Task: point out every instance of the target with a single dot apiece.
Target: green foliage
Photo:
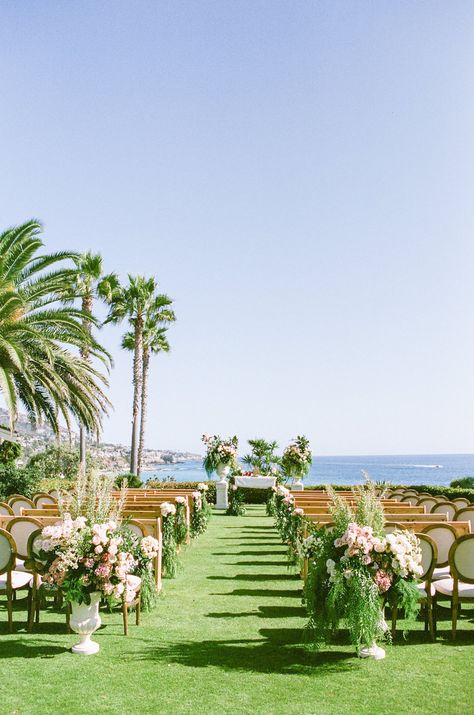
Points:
(169, 555)
(463, 483)
(132, 480)
(9, 452)
(262, 455)
(180, 524)
(236, 501)
(56, 463)
(17, 480)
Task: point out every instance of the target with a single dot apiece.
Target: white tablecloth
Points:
(255, 482)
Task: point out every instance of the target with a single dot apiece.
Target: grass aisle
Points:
(227, 638)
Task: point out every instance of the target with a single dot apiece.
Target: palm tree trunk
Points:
(137, 382)
(86, 308)
(145, 368)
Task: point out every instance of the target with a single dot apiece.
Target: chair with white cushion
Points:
(18, 503)
(461, 502)
(428, 503)
(43, 499)
(410, 493)
(466, 514)
(5, 509)
(411, 499)
(11, 581)
(460, 588)
(445, 507)
(20, 528)
(444, 536)
(391, 527)
(429, 554)
(39, 590)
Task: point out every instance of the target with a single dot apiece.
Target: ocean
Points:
(435, 469)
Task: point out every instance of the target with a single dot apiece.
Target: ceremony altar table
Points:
(255, 482)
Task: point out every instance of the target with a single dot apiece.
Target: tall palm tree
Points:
(89, 284)
(154, 341)
(38, 329)
(137, 301)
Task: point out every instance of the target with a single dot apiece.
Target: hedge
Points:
(260, 496)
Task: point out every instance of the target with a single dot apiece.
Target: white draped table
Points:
(255, 482)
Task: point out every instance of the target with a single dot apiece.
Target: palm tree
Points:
(137, 301)
(154, 341)
(89, 284)
(38, 329)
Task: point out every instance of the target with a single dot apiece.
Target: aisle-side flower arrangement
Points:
(199, 517)
(168, 532)
(297, 458)
(181, 529)
(236, 501)
(144, 551)
(220, 452)
(355, 568)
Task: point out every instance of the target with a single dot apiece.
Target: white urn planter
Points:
(85, 620)
(223, 471)
(374, 651)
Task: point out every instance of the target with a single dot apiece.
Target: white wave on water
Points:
(420, 466)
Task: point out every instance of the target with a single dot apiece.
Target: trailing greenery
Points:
(169, 554)
(181, 530)
(236, 501)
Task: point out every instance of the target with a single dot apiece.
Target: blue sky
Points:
(299, 177)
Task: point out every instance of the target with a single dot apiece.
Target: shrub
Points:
(56, 462)
(9, 452)
(156, 484)
(16, 480)
(133, 481)
(463, 483)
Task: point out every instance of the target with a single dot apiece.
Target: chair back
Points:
(428, 503)
(461, 558)
(466, 514)
(461, 502)
(20, 529)
(411, 492)
(444, 536)
(5, 509)
(429, 556)
(54, 493)
(7, 551)
(136, 527)
(34, 561)
(411, 499)
(18, 503)
(42, 499)
(445, 507)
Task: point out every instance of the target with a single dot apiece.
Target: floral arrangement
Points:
(297, 458)
(181, 527)
(82, 557)
(236, 501)
(168, 530)
(219, 452)
(202, 487)
(355, 568)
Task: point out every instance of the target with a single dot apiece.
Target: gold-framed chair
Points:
(445, 507)
(11, 580)
(5, 509)
(460, 587)
(429, 554)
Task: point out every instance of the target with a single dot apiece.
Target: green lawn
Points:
(227, 638)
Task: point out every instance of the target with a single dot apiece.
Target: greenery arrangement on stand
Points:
(262, 457)
(219, 453)
(356, 568)
(236, 501)
(201, 511)
(181, 529)
(297, 458)
(168, 535)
